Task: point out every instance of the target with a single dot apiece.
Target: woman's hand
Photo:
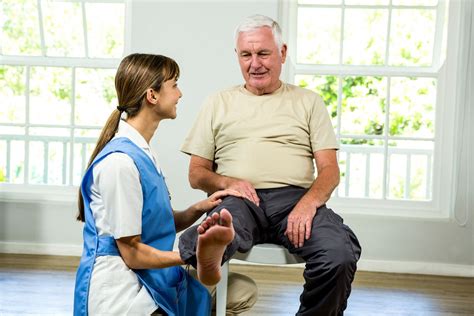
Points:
(215, 199)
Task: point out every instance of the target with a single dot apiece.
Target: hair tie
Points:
(121, 108)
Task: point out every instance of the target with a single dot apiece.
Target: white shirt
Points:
(116, 204)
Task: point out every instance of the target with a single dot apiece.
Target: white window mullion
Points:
(41, 28)
(438, 40)
(407, 177)
(109, 63)
(348, 172)
(386, 164)
(83, 156)
(84, 26)
(341, 43)
(429, 180)
(46, 161)
(73, 125)
(367, 175)
(27, 126)
(64, 169)
(389, 29)
(8, 156)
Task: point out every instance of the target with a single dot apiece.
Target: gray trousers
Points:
(331, 253)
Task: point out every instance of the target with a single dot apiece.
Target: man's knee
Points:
(339, 261)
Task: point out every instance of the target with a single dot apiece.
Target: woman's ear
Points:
(152, 96)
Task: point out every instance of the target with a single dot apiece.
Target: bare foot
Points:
(215, 233)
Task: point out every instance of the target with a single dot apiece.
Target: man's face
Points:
(260, 60)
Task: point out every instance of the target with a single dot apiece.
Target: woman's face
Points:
(168, 98)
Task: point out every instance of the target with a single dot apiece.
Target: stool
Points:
(263, 253)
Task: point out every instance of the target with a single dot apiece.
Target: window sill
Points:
(20, 193)
(49, 194)
(389, 208)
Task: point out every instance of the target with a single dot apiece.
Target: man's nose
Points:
(255, 61)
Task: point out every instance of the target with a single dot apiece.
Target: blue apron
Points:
(172, 289)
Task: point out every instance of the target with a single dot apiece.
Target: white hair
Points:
(257, 21)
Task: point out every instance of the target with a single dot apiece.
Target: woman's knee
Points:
(242, 293)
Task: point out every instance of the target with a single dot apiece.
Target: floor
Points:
(42, 285)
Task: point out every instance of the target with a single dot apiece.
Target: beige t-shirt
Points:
(268, 140)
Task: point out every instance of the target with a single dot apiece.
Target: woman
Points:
(128, 266)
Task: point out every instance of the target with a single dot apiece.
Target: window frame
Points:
(442, 169)
(52, 193)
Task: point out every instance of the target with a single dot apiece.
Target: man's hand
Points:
(300, 222)
(245, 188)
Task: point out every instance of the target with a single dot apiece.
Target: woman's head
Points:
(139, 72)
(136, 74)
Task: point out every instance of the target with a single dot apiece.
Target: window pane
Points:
(415, 2)
(105, 29)
(50, 95)
(326, 87)
(64, 33)
(319, 35)
(17, 162)
(376, 167)
(412, 106)
(419, 177)
(343, 168)
(361, 96)
(412, 37)
(397, 176)
(57, 162)
(95, 96)
(361, 168)
(3, 161)
(366, 2)
(36, 159)
(82, 154)
(20, 28)
(410, 169)
(365, 33)
(94, 133)
(12, 94)
(11, 130)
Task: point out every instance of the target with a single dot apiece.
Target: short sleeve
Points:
(320, 126)
(117, 181)
(200, 140)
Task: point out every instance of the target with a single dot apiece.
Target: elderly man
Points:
(260, 139)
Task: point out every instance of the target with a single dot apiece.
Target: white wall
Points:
(199, 36)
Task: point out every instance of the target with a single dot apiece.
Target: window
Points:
(57, 67)
(377, 65)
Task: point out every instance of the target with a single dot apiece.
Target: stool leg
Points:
(221, 291)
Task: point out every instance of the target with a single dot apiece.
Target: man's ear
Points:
(152, 96)
(283, 53)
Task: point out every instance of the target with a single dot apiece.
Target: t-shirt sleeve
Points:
(200, 140)
(118, 182)
(321, 129)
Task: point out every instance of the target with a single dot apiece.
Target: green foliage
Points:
(13, 79)
(3, 177)
(108, 91)
(20, 26)
(411, 109)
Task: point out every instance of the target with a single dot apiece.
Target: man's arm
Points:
(301, 217)
(202, 176)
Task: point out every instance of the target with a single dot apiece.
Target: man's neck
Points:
(264, 91)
